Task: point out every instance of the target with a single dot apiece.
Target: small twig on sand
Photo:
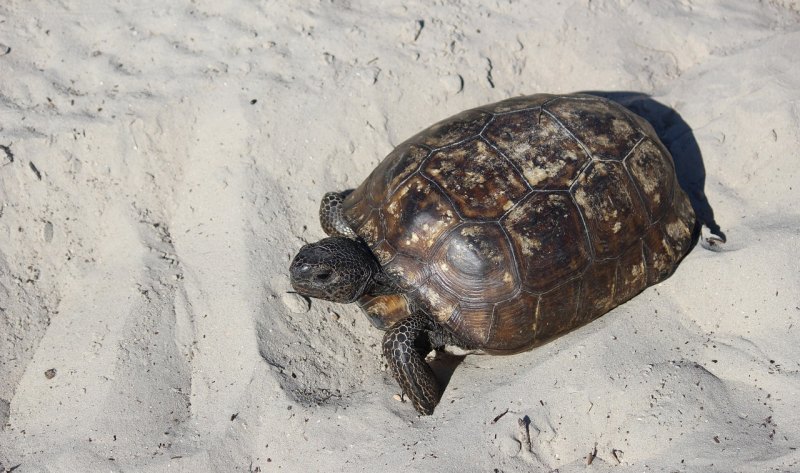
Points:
(590, 457)
(616, 454)
(499, 416)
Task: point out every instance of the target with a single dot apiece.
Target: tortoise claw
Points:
(712, 241)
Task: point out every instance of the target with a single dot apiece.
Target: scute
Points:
(383, 251)
(631, 273)
(513, 324)
(604, 128)
(371, 227)
(384, 311)
(437, 301)
(457, 128)
(473, 323)
(475, 263)
(410, 272)
(404, 161)
(549, 239)
(556, 311)
(648, 166)
(597, 291)
(548, 156)
(479, 181)
(416, 216)
(517, 103)
(611, 208)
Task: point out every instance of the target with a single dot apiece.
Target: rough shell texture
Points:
(515, 222)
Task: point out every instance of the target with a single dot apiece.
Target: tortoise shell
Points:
(515, 222)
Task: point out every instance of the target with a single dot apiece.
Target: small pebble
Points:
(296, 303)
(397, 397)
(48, 232)
(50, 374)
(4, 49)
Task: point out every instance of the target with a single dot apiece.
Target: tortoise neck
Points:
(382, 284)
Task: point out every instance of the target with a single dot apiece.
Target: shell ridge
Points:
(586, 232)
(455, 143)
(445, 195)
(513, 165)
(635, 183)
(480, 133)
(514, 206)
(572, 135)
(515, 271)
(390, 191)
(508, 112)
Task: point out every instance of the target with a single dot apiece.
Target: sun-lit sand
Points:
(161, 163)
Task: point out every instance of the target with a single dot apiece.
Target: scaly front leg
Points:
(405, 346)
(331, 218)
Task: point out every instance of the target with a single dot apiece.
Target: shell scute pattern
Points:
(611, 207)
(555, 307)
(647, 165)
(404, 161)
(416, 216)
(485, 188)
(385, 310)
(516, 104)
(603, 128)
(515, 317)
(543, 150)
(549, 239)
(518, 221)
(473, 323)
(409, 272)
(458, 128)
(475, 264)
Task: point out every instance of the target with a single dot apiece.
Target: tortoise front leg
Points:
(405, 346)
(331, 218)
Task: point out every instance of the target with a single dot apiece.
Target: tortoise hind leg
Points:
(405, 346)
(331, 218)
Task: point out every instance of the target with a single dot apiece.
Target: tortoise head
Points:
(337, 269)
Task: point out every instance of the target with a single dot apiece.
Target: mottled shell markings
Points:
(483, 189)
(518, 221)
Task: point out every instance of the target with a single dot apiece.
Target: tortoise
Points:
(499, 229)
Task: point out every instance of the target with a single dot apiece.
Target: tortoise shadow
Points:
(679, 139)
(444, 364)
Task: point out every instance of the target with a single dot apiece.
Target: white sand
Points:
(145, 258)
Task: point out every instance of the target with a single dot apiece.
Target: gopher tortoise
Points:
(499, 229)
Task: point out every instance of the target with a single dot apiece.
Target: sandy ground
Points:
(160, 165)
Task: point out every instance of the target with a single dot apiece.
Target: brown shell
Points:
(518, 221)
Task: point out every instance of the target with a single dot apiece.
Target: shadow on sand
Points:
(677, 136)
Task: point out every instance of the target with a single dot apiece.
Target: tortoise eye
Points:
(323, 276)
